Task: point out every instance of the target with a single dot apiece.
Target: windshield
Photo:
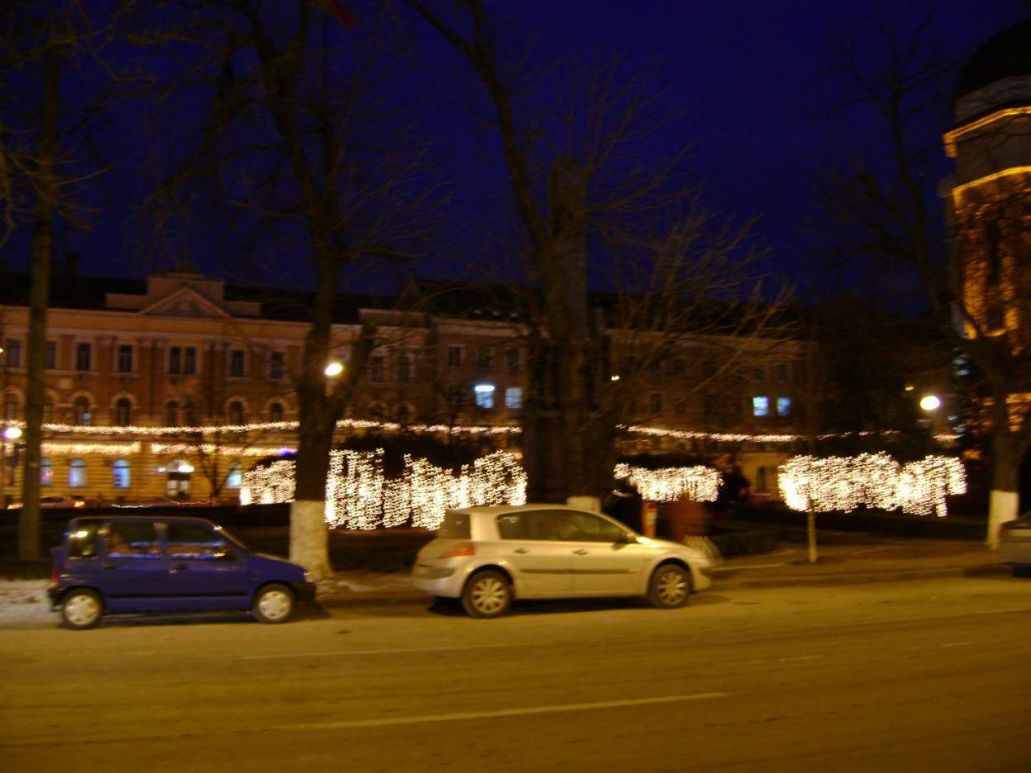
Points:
(232, 538)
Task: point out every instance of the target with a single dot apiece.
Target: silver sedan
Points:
(488, 556)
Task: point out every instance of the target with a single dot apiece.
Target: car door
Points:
(207, 571)
(539, 562)
(132, 570)
(603, 562)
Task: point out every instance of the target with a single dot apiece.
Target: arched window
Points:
(121, 473)
(189, 413)
(376, 411)
(171, 414)
(46, 472)
(10, 407)
(123, 412)
(235, 412)
(76, 473)
(403, 413)
(275, 412)
(81, 411)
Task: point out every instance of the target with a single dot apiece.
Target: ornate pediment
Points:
(185, 302)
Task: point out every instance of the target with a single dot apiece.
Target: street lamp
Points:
(334, 369)
(930, 403)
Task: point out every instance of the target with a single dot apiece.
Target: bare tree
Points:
(884, 212)
(308, 149)
(576, 183)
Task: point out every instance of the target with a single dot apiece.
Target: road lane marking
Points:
(465, 715)
(390, 651)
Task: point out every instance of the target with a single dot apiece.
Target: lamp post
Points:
(12, 433)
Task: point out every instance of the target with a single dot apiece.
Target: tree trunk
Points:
(29, 520)
(1004, 503)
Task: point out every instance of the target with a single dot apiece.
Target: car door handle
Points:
(581, 552)
(522, 550)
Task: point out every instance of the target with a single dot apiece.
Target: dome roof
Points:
(1006, 55)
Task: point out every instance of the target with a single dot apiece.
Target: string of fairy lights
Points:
(876, 481)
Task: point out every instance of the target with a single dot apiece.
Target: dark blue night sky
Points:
(750, 83)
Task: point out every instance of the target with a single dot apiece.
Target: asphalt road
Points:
(912, 676)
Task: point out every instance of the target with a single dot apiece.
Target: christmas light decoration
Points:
(74, 448)
(875, 481)
(669, 484)
(210, 449)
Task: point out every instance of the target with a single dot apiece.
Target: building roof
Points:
(1006, 55)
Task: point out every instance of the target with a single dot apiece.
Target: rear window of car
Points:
(132, 540)
(534, 525)
(195, 541)
(455, 526)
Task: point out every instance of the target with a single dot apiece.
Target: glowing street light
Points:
(334, 369)
(930, 403)
(12, 433)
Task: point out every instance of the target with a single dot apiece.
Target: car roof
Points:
(527, 508)
(82, 519)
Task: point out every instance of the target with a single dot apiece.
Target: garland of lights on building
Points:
(876, 481)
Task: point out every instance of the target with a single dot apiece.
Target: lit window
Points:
(484, 395)
(760, 405)
(82, 411)
(46, 472)
(235, 477)
(76, 473)
(514, 398)
(121, 473)
(783, 406)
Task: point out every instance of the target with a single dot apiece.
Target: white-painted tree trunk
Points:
(1002, 507)
(309, 537)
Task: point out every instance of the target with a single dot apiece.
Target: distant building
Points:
(171, 387)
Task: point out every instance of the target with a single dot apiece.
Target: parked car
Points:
(489, 556)
(113, 564)
(54, 501)
(1015, 544)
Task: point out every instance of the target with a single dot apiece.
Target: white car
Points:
(488, 556)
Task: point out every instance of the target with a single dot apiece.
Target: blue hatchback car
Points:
(115, 564)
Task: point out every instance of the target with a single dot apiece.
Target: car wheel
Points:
(273, 604)
(487, 594)
(81, 609)
(670, 587)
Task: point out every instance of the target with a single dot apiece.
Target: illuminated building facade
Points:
(171, 387)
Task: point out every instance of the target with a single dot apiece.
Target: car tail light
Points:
(55, 575)
(461, 549)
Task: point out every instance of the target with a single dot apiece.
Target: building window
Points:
(514, 398)
(783, 374)
(783, 406)
(51, 355)
(403, 413)
(182, 360)
(275, 412)
(235, 412)
(189, 414)
(171, 414)
(759, 374)
(48, 411)
(760, 405)
(120, 473)
(235, 477)
(376, 412)
(10, 407)
(125, 352)
(46, 472)
(655, 402)
(680, 407)
(514, 360)
(276, 365)
(376, 368)
(123, 412)
(483, 395)
(80, 408)
(236, 363)
(76, 473)
(83, 356)
(405, 369)
(485, 358)
(454, 356)
(12, 352)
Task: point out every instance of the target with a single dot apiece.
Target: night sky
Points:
(750, 82)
